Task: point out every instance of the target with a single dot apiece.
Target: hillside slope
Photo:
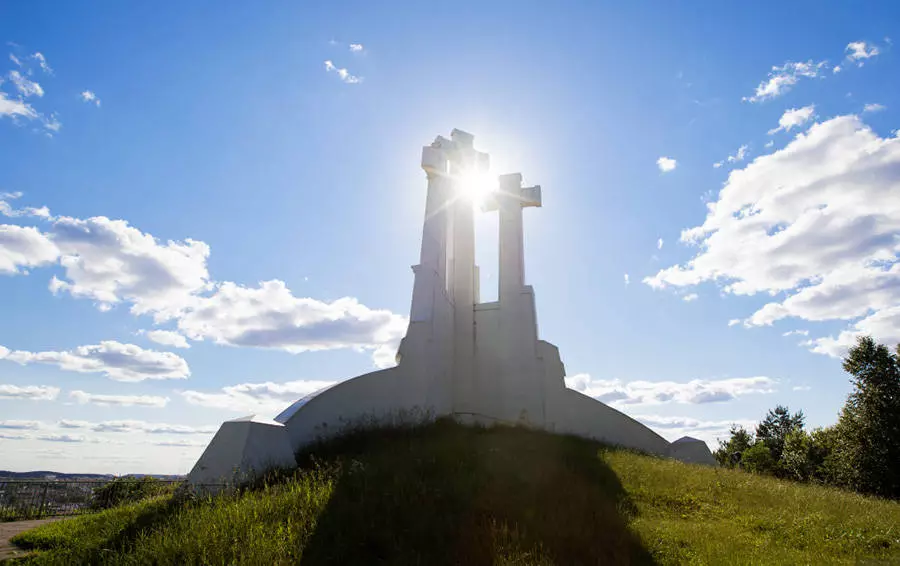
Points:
(447, 494)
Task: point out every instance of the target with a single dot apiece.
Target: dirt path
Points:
(11, 529)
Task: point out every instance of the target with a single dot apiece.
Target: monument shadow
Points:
(449, 494)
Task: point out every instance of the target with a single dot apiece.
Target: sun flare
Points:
(477, 186)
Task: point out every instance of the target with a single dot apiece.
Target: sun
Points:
(476, 186)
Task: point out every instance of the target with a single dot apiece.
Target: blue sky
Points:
(207, 174)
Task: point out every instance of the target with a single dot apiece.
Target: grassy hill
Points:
(447, 494)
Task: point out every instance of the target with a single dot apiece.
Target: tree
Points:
(796, 461)
(825, 462)
(758, 459)
(730, 452)
(772, 431)
(869, 425)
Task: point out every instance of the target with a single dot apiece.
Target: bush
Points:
(128, 490)
(758, 459)
(729, 453)
(827, 466)
(796, 463)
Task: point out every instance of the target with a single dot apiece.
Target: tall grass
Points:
(447, 494)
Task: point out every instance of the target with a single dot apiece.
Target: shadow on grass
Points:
(446, 494)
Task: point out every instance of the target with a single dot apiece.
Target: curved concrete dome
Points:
(285, 415)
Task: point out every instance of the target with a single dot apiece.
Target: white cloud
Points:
(121, 362)
(873, 108)
(659, 244)
(801, 388)
(51, 123)
(736, 157)
(270, 316)
(666, 164)
(14, 436)
(343, 74)
(30, 392)
(673, 428)
(818, 221)
(796, 333)
(781, 79)
(266, 398)
(42, 62)
(734, 322)
(119, 400)
(129, 426)
(131, 435)
(837, 69)
(180, 443)
(16, 108)
(857, 51)
(690, 297)
(61, 438)
(627, 279)
(25, 86)
(739, 155)
(112, 262)
(167, 338)
(385, 356)
(90, 97)
(357, 47)
(697, 391)
(770, 143)
(23, 247)
(20, 425)
(128, 450)
(794, 117)
(7, 210)
(883, 324)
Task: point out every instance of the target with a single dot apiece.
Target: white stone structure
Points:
(242, 448)
(477, 362)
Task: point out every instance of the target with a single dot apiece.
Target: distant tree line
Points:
(860, 452)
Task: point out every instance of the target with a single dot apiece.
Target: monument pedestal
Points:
(241, 450)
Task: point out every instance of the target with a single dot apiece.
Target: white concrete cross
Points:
(510, 186)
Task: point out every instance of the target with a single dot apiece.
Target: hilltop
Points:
(447, 494)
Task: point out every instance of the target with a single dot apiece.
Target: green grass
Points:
(447, 494)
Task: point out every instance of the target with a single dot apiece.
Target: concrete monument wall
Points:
(241, 449)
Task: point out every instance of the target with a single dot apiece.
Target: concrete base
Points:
(381, 398)
(244, 448)
(241, 450)
(691, 451)
(389, 397)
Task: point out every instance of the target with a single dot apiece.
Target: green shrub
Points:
(758, 459)
(731, 451)
(128, 490)
(796, 463)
